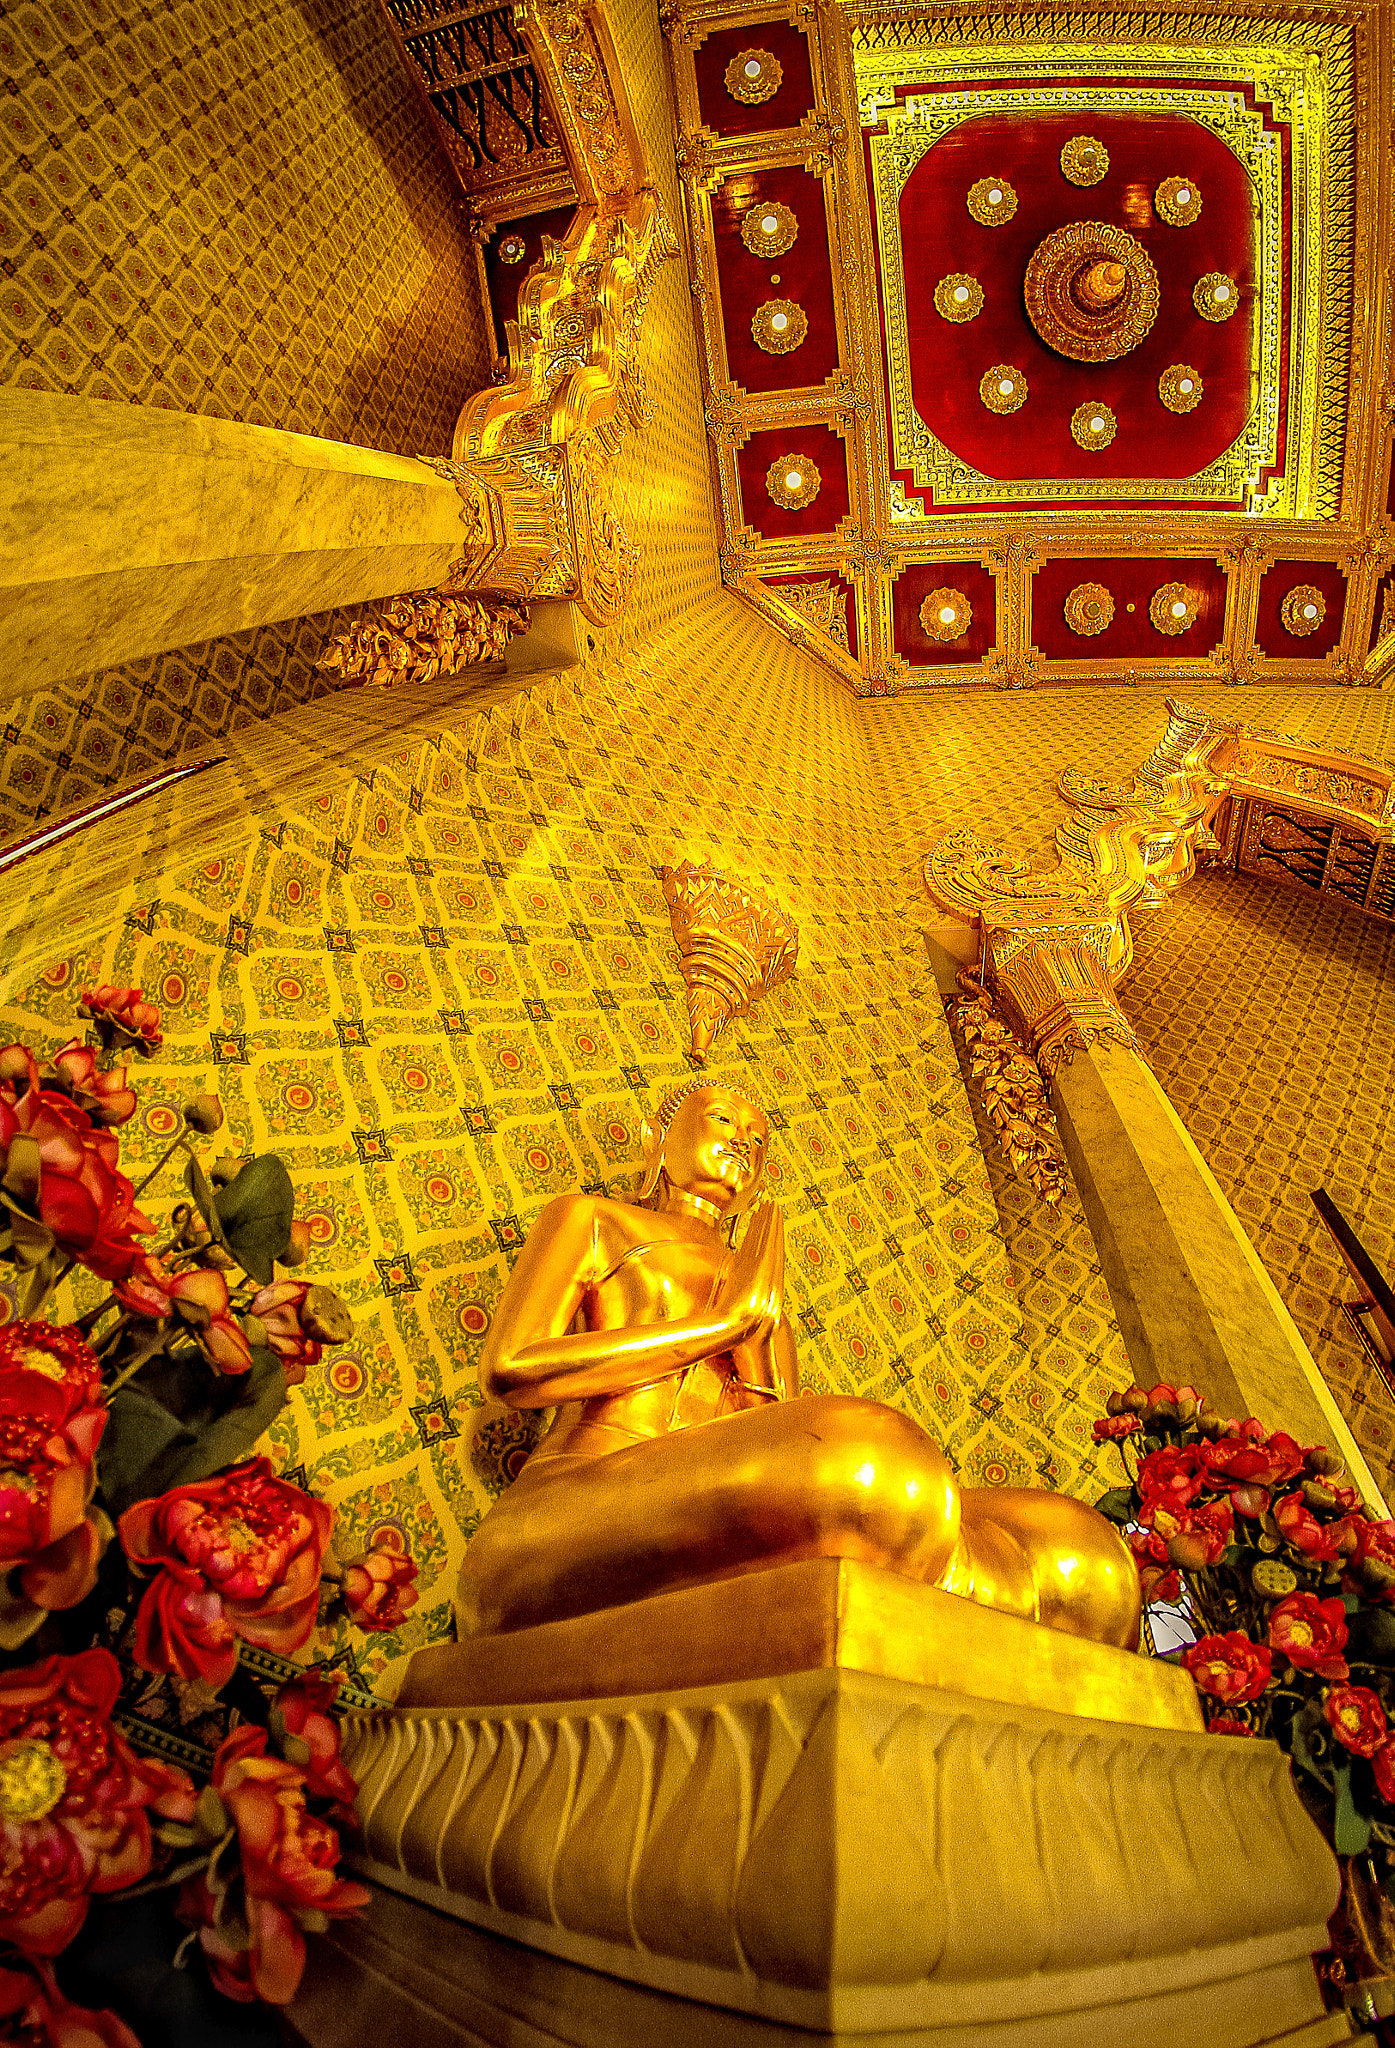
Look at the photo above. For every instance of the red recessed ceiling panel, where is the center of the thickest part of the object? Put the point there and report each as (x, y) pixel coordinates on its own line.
(801, 274)
(910, 591)
(940, 235)
(1130, 635)
(1273, 636)
(786, 107)
(775, 522)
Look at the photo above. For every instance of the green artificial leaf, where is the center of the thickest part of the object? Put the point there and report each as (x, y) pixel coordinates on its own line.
(1351, 1601)
(1234, 1553)
(256, 1212)
(196, 1180)
(1371, 1634)
(230, 1436)
(1351, 1831)
(140, 1434)
(183, 1422)
(211, 1816)
(1118, 1505)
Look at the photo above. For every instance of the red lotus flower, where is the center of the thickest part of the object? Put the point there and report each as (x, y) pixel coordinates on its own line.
(304, 1706)
(1302, 1529)
(1195, 1536)
(1226, 1724)
(73, 1798)
(201, 1297)
(378, 1588)
(1383, 1764)
(1169, 1478)
(1371, 1558)
(1249, 1467)
(122, 1017)
(101, 1094)
(288, 1870)
(1229, 1666)
(145, 1289)
(1356, 1717)
(1311, 1633)
(51, 1421)
(238, 1557)
(1110, 1428)
(300, 1317)
(34, 2012)
(68, 1174)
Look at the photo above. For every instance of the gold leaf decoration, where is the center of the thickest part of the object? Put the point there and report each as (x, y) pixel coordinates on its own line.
(1180, 387)
(793, 482)
(1093, 425)
(1215, 296)
(753, 76)
(992, 201)
(1089, 609)
(1303, 610)
(1173, 607)
(1178, 201)
(1091, 291)
(1014, 1094)
(946, 614)
(1084, 160)
(958, 297)
(733, 944)
(419, 636)
(769, 230)
(1003, 389)
(779, 326)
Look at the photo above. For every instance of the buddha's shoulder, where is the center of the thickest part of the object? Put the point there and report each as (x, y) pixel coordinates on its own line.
(580, 1211)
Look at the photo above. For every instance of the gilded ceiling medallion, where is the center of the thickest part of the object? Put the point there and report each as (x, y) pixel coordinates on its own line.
(1178, 201)
(1093, 425)
(1084, 160)
(992, 201)
(958, 297)
(1180, 387)
(1174, 607)
(793, 482)
(769, 230)
(1215, 296)
(1303, 610)
(778, 326)
(1089, 609)
(512, 249)
(946, 614)
(1002, 388)
(753, 76)
(1091, 291)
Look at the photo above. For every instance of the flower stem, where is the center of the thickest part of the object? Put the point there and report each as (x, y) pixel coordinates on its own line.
(168, 1153)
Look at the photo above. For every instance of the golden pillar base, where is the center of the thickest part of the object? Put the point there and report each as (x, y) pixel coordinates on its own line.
(843, 1851)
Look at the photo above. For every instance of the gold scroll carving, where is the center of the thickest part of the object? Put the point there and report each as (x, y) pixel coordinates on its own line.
(436, 633)
(734, 944)
(1011, 1084)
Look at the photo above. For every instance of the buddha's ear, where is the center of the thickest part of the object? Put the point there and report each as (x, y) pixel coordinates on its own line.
(651, 1138)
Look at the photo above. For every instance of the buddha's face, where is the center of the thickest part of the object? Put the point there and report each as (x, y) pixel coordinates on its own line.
(716, 1146)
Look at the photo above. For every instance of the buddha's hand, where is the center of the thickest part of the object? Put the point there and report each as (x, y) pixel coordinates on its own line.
(755, 1284)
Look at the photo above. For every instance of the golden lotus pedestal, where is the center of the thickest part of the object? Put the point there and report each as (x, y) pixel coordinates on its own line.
(819, 1803)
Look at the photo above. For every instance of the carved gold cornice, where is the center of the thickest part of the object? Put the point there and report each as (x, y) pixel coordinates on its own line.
(1056, 944)
(734, 945)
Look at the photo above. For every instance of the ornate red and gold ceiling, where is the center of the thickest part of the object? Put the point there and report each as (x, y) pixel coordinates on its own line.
(1042, 349)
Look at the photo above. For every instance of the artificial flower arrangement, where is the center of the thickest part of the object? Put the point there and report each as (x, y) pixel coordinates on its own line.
(128, 1486)
(1291, 1584)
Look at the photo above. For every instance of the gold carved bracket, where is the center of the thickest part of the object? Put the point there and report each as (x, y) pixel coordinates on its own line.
(734, 945)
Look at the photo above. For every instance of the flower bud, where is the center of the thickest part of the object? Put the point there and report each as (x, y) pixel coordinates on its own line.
(1326, 1463)
(204, 1113)
(1213, 1427)
(1133, 1401)
(14, 1063)
(325, 1318)
(226, 1168)
(1317, 1497)
(22, 1167)
(1188, 1550)
(1114, 1406)
(298, 1250)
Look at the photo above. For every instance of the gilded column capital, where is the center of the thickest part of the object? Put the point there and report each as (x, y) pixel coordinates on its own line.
(734, 944)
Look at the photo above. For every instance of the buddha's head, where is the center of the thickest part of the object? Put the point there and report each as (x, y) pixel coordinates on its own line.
(707, 1140)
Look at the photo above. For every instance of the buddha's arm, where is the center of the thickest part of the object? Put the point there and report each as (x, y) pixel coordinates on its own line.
(532, 1359)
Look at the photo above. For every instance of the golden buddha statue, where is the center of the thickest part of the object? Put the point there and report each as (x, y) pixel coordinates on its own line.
(679, 1454)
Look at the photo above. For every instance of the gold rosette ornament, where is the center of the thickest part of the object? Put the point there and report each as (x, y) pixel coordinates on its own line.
(793, 482)
(1003, 389)
(958, 297)
(753, 76)
(1091, 291)
(1180, 387)
(1084, 160)
(1089, 609)
(1215, 296)
(1173, 607)
(734, 944)
(769, 230)
(1178, 201)
(1093, 425)
(512, 249)
(992, 201)
(778, 326)
(1303, 610)
(946, 614)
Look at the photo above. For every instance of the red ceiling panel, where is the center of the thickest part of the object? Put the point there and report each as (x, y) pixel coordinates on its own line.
(1270, 632)
(939, 235)
(785, 108)
(775, 522)
(801, 274)
(914, 585)
(1130, 634)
